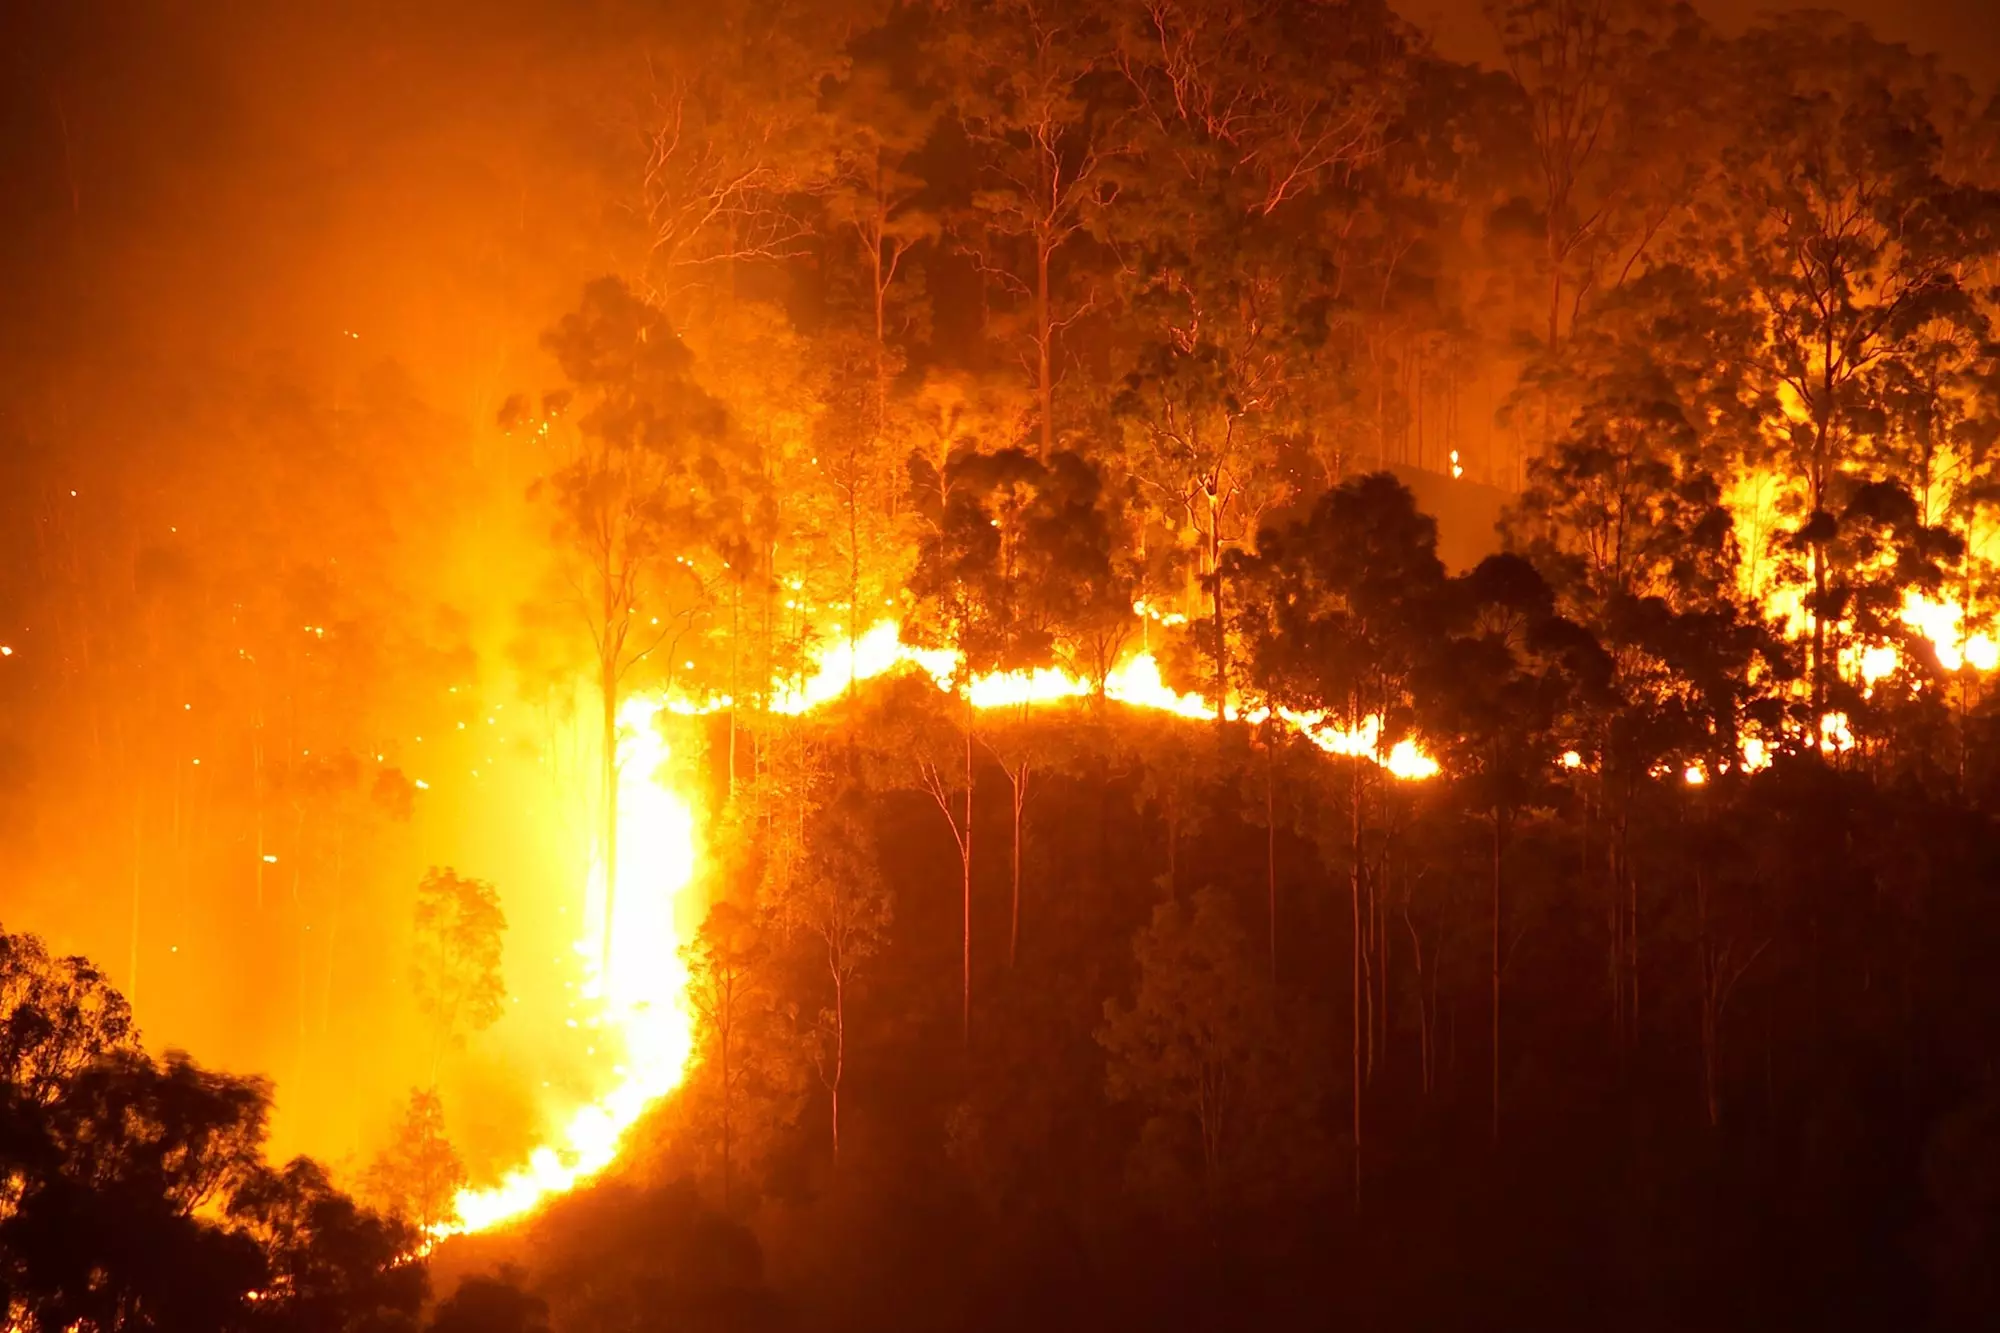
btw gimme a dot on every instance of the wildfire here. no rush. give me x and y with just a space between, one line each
638 995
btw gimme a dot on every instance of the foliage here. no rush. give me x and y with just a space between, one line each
456 958
418 1174
137 1197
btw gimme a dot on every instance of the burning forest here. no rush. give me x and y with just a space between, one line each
978 664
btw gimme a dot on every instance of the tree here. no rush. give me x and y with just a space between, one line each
836 899
644 494
333 1265
114 1187
1854 244
1578 65
1035 100
417 1177
456 962
875 194
1196 1044
1201 435
747 1086
1339 612
1497 694
58 1016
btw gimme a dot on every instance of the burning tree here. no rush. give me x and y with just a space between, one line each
648 502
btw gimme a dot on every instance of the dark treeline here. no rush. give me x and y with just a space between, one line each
1628 964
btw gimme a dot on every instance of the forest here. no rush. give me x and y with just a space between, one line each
977 664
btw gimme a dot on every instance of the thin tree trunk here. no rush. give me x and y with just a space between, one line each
839 1053
1271 850
965 858
1221 642
1498 908
1354 898
1044 381
1020 785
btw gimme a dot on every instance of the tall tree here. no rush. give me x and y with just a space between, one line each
1498 697
1341 608
648 501
1196 1045
1039 100
835 900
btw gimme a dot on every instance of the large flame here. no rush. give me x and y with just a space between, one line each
637 997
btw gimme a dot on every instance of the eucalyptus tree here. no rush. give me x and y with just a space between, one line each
647 491
1342 607
1040 100
1498 696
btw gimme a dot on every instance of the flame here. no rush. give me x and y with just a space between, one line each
638 995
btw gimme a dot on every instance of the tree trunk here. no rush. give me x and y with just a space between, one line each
1271 850
1019 779
965 860
1044 381
1499 819
1354 898
1221 642
839 1053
